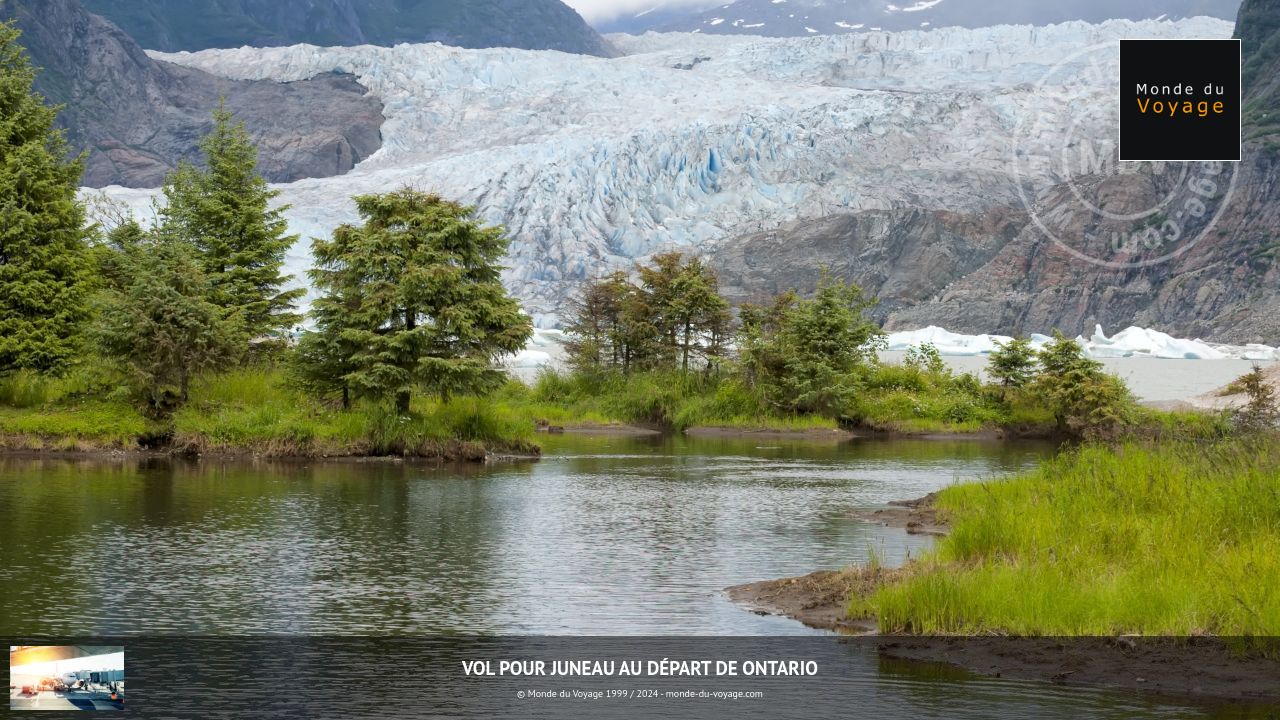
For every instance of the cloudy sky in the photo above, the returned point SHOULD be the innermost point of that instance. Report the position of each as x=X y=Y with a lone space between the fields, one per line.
x=596 y=10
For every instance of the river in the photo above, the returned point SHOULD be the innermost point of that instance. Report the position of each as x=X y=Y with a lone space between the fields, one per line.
x=604 y=536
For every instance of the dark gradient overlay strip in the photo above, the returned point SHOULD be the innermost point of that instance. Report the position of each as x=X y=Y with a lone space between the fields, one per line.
x=356 y=677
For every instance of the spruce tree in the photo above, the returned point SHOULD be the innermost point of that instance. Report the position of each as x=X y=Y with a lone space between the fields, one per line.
x=325 y=355
x=610 y=327
x=685 y=306
x=158 y=323
x=421 y=297
x=1013 y=364
x=1086 y=401
x=806 y=354
x=224 y=211
x=43 y=250
x=823 y=342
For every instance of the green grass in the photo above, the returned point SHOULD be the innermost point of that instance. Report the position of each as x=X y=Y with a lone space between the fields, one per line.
x=892 y=398
x=256 y=409
x=94 y=422
x=1169 y=539
x=85 y=408
x=900 y=398
x=252 y=410
x=904 y=410
x=671 y=400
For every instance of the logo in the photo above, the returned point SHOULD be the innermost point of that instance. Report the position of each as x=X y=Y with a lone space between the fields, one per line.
x=1078 y=192
x=1180 y=100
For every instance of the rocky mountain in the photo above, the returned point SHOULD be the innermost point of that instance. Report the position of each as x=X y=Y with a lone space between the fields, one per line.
x=173 y=25
x=138 y=117
x=660 y=14
x=1259 y=31
x=898 y=256
x=1218 y=279
x=692 y=142
x=798 y=18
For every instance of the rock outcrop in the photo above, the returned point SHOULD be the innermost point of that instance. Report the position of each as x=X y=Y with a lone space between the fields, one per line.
x=1224 y=286
x=138 y=117
x=898 y=256
x=175 y=25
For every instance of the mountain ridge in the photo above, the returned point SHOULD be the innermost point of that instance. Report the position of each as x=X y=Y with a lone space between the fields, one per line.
x=691 y=141
x=138 y=117
x=801 y=18
x=193 y=25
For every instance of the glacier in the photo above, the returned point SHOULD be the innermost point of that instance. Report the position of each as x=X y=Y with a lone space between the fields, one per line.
x=595 y=164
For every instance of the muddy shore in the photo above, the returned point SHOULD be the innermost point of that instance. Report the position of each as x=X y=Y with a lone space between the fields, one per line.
x=1206 y=668
x=917 y=517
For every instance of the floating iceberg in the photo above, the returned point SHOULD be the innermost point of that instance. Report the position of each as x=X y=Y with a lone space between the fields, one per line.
x=947 y=343
x=530 y=359
x=1130 y=342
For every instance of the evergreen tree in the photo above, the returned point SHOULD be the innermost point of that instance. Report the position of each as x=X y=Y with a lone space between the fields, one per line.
x=594 y=337
x=427 y=306
x=1085 y=400
x=113 y=255
x=686 y=309
x=1260 y=411
x=1013 y=364
x=325 y=355
x=759 y=353
x=160 y=325
x=224 y=211
x=806 y=354
x=43 y=251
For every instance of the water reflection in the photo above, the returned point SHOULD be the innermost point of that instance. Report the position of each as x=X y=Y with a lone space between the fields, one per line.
x=604 y=536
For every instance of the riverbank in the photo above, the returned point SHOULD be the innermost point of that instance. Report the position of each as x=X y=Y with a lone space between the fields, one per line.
x=254 y=412
x=1203 y=667
x=891 y=401
x=1171 y=548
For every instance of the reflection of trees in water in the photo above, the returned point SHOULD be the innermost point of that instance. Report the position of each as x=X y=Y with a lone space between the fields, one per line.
x=165 y=545
x=51 y=506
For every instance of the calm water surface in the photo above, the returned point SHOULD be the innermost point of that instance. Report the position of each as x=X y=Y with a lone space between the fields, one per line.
x=603 y=537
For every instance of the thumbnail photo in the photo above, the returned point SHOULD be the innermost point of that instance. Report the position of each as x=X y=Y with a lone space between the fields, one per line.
x=66 y=677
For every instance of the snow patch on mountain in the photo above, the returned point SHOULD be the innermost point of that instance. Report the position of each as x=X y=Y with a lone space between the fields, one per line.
x=593 y=164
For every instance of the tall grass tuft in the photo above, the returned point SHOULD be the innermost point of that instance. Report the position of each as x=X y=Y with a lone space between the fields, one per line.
x=1172 y=539
x=26 y=389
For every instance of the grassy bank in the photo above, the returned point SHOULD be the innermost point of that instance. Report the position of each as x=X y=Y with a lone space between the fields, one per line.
x=894 y=399
x=1175 y=539
x=257 y=411
x=891 y=399
x=251 y=411
x=669 y=400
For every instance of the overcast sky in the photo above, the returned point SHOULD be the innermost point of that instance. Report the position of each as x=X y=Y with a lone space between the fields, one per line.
x=596 y=10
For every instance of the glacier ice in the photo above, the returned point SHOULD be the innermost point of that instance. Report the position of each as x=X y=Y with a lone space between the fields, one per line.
x=593 y=164
x=1130 y=342
x=546 y=348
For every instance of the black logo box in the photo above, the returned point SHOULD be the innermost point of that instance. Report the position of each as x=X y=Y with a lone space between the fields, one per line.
x=1189 y=66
